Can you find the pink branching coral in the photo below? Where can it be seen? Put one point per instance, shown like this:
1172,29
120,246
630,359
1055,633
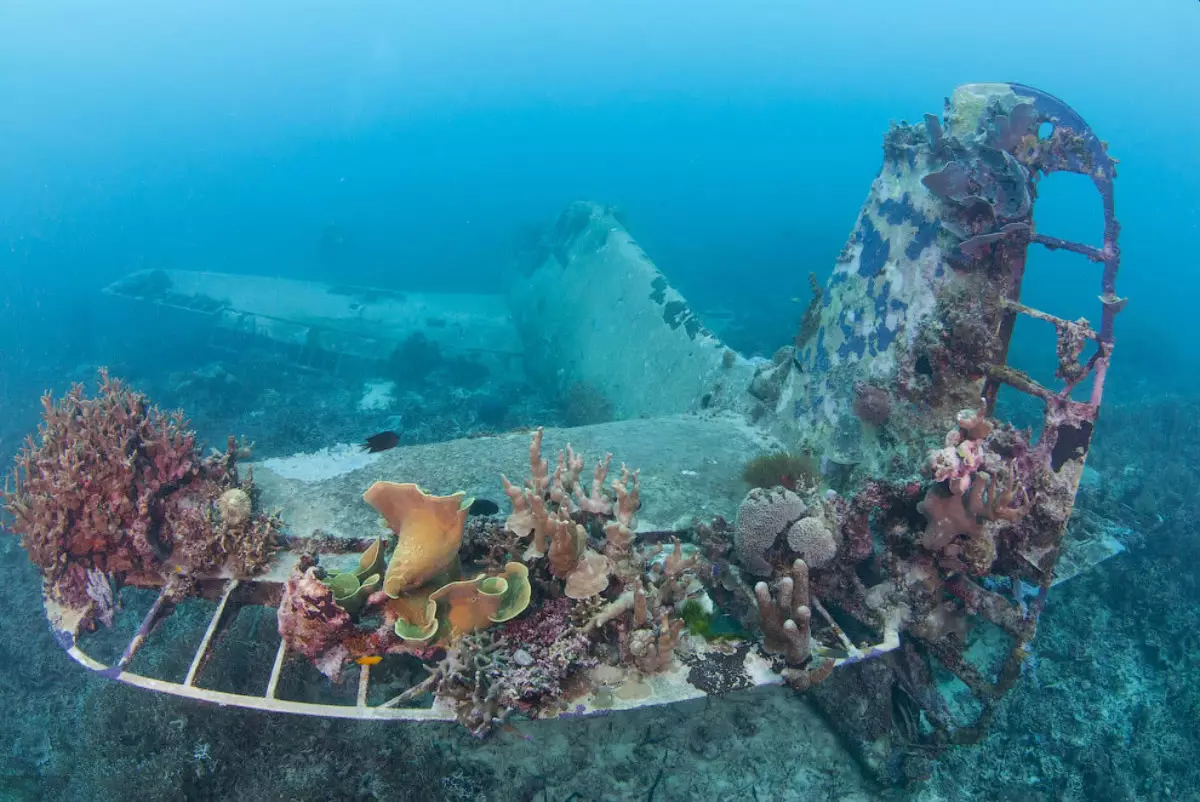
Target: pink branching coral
550,509
974,490
114,484
786,617
652,648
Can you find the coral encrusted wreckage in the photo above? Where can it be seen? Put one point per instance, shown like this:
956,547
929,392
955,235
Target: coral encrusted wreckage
949,522
537,611
890,560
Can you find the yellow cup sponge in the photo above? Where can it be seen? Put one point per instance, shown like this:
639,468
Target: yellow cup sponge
429,532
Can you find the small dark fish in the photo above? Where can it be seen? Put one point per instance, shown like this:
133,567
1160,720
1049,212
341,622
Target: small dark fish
381,442
481,506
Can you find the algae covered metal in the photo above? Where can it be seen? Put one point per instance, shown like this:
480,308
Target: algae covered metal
901,361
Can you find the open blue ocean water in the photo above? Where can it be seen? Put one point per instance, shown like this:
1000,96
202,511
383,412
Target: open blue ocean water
377,206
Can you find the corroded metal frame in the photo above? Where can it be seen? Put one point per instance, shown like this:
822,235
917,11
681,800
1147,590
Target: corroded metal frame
67,623
231,594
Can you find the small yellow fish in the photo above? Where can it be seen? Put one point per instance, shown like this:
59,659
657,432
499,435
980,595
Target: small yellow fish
370,660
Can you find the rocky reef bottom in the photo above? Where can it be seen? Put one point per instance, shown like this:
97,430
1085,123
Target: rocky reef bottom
1106,709
1099,716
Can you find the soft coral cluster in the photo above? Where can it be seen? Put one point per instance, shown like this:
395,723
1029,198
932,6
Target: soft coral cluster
114,484
974,493
313,624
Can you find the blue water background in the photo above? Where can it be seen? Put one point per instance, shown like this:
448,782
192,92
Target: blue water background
408,145
739,138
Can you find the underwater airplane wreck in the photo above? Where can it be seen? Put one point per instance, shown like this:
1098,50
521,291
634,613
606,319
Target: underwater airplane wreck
898,583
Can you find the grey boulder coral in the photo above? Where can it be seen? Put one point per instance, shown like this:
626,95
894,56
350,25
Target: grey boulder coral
765,513
811,539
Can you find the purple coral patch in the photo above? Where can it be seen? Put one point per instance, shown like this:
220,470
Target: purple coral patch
821,363
926,234
977,215
875,252
979,245
1018,123
897,211
934,129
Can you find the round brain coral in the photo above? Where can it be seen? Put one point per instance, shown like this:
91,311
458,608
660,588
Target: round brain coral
812,540
762,517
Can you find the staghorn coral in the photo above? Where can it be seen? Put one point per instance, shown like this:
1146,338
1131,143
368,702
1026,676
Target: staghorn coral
460,678
547,507
645,615
568,542
761,518
673,577
651,649
241,542
115,484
